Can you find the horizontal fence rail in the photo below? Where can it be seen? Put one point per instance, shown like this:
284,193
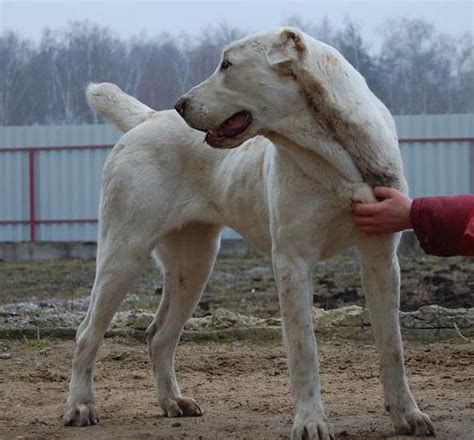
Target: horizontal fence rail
32,221
34,180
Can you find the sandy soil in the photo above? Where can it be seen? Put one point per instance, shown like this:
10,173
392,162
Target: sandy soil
243,388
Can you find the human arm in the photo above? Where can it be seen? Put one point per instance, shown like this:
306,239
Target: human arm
444,225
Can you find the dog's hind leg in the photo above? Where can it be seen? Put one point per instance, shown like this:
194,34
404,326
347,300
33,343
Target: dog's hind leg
119,263
381,282
187,257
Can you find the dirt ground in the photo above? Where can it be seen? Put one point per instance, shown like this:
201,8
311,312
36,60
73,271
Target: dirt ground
242,387
245,285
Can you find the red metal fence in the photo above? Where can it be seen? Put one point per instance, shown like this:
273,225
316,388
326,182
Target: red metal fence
32,221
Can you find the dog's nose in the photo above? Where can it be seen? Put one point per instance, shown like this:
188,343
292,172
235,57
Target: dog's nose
180,105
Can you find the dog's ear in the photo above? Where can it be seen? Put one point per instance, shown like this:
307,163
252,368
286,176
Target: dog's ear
287,49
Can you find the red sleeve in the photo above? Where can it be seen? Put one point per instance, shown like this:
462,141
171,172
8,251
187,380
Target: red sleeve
444,225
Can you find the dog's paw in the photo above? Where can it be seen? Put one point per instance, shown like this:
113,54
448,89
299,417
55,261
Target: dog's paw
81,414
414,423
180,407
313,429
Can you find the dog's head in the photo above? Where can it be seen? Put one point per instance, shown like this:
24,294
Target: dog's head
294,89
251,90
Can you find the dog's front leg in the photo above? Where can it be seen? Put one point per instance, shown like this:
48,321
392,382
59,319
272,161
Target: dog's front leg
294,281
381,281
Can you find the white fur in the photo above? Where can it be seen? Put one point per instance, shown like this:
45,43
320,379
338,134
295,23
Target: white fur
288,192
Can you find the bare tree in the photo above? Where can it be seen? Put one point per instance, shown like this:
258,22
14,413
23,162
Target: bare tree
417,66
351,44
16,54
157,85
417,70
463,98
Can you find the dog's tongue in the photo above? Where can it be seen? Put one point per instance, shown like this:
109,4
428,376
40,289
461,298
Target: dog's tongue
233,125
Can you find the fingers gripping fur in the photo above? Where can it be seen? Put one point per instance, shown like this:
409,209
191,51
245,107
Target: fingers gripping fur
111,102
362,193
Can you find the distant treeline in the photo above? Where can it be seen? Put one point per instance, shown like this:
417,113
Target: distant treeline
415,70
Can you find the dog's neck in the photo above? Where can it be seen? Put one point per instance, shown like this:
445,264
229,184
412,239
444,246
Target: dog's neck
301,133
339,118
354,156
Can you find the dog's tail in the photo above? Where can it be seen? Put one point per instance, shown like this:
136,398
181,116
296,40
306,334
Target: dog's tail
111,102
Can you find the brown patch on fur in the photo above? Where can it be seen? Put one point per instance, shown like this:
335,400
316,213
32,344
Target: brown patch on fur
348,134
331,59
152,114
259,47
260,163
285,72
397,358
287,35
215,208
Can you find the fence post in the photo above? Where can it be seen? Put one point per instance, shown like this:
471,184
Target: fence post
31,192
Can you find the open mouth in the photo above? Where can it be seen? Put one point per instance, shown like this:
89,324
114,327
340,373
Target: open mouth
229,129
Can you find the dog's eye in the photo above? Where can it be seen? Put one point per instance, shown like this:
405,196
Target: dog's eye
225,65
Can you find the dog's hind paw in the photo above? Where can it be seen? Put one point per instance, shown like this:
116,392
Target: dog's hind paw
181,407
415,423
82,414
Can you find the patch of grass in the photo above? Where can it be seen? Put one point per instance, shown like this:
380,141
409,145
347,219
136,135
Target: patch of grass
246,285
37,343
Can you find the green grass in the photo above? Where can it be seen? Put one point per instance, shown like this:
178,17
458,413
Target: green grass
37,343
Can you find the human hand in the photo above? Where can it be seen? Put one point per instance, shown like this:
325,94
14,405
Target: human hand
390,215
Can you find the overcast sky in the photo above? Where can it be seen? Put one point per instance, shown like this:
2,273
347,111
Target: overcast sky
129,18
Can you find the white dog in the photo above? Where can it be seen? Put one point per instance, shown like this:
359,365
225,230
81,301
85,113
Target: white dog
325,140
